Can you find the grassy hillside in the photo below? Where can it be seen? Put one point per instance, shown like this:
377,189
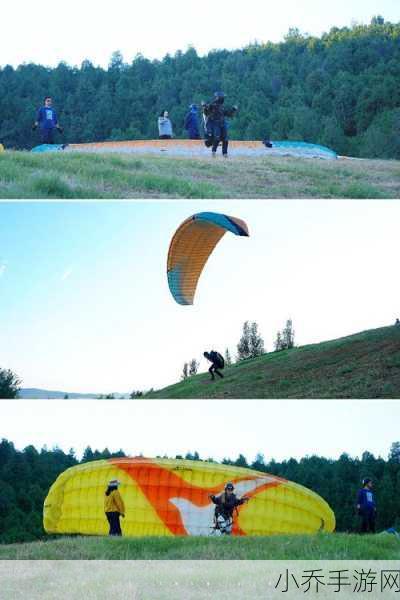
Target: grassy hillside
297,547
364,365
77,175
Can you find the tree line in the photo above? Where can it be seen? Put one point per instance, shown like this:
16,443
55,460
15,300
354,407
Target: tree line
26,476
340,89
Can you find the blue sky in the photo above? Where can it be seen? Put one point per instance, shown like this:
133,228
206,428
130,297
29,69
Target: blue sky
279,429
93,30
85,304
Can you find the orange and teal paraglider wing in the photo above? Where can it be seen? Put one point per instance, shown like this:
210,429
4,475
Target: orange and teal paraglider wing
190,247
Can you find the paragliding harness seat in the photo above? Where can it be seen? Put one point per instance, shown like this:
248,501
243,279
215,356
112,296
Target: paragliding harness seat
223,522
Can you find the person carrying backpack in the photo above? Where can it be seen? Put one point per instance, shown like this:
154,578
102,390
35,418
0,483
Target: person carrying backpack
216,124
225,504
217,361
366,506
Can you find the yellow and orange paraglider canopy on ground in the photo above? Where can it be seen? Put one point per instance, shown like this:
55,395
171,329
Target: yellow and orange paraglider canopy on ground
190,248
166,497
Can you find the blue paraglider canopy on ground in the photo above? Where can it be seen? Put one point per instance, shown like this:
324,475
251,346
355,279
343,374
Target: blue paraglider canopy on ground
301,149
49,148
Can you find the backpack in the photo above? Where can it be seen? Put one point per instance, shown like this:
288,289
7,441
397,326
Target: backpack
217,359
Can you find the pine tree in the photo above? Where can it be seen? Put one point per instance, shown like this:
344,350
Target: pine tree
228,358
251,343
9,384
243,346
288,335
394,454
193,367
256,341
185,371
278,344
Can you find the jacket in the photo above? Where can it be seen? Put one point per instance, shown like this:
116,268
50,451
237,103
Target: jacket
114,503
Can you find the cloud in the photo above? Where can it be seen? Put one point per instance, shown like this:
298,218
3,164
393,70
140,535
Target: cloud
3,267
66,274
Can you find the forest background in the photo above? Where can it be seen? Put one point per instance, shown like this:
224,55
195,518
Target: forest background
340,90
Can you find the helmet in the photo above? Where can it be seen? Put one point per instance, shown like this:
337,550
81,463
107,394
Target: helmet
193,107
230,486
219,97
366,480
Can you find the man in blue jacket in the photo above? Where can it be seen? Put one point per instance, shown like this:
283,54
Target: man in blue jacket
366,506
192,123
47,121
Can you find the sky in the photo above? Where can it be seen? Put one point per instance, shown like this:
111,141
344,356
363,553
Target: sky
85,304
93,30
279,429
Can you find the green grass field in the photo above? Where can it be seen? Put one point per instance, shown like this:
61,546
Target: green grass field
364,365
73,175
337,546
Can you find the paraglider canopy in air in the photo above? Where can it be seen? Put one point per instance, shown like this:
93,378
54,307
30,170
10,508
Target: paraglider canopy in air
190,248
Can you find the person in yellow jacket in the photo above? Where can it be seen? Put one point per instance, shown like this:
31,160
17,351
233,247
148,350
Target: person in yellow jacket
114,507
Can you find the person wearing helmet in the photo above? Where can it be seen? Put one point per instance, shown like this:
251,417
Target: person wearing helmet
217,363
114,507
225,504
192,123
366,506
47,121
215,123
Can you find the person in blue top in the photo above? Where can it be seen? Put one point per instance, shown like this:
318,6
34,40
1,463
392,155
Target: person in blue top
366,506
47,121
192,123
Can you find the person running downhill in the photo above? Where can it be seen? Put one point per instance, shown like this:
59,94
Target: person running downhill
215,123
47,121
366,506
114,507
226,503
217,361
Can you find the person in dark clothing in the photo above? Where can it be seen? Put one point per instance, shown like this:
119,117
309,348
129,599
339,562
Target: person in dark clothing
192,123
47,121
114,507
397,322
225,504
217,361
215,123
366,507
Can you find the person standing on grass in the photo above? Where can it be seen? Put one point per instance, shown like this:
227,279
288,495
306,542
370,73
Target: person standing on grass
366,506
114,507
47,121
397,322
217,361
192,123
165,126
